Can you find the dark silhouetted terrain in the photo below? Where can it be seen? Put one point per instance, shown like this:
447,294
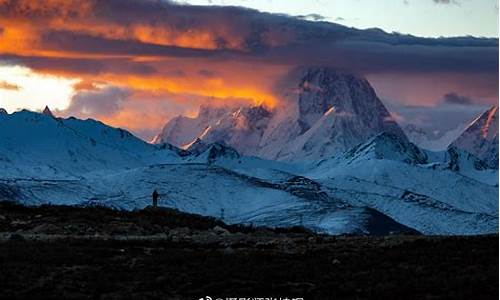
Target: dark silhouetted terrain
99,253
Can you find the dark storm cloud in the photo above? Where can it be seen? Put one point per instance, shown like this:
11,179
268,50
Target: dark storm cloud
133,37
367,57
55,64
102,102
156,46
82,66
206,73
175,73
164,29
454,98
84,43
142,69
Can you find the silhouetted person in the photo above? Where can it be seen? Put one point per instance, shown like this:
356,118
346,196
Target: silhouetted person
155,196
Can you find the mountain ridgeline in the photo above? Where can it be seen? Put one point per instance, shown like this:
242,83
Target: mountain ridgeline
331,160
327,112
481,137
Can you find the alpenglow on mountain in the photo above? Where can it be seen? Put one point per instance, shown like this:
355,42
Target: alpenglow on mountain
383,185
481,137
325,113
331,159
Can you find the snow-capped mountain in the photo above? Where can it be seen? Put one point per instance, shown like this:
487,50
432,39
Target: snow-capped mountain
385,184
481,137
387,146
344,96
462,162
404,183
330,158
181,130
44,159
40,143
242,129
213,153
325,113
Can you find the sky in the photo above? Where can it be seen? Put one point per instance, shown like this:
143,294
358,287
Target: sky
136,63
425,18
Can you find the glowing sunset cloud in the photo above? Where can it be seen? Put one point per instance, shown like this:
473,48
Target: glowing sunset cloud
150,60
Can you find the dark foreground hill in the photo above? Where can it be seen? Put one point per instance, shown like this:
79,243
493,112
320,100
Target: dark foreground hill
98,253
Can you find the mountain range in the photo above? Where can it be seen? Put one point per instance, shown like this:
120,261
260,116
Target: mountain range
331,158
325,113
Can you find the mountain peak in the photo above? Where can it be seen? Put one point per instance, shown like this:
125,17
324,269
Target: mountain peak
486,123
3,111
481,137
181,131
322,88
335,111
76,145
328,113
210,152
388,146
47,111
217,151
490,126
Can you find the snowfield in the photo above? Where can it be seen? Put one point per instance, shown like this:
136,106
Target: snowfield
329,173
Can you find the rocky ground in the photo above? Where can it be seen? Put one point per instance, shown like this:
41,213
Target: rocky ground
99,253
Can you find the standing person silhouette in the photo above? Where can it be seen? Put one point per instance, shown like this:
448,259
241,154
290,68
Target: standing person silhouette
155,196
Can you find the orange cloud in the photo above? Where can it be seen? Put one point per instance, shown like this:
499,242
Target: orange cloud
135,120
213,87
9,86
25,22
184,55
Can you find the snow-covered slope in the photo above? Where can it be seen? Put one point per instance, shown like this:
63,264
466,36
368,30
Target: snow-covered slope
242,129
386,146
216,152
41,145
210,190
69,161
395,178
381,185
182,130
330,113
226,157
367,193
325,113
337,111
481,137
464,163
